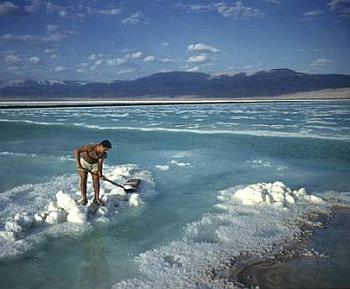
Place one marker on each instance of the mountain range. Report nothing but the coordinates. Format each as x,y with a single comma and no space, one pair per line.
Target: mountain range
177,83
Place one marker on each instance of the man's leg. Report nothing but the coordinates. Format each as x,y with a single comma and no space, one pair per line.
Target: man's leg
83,180
96,184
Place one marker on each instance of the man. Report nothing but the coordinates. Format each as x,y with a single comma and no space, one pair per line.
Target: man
89,158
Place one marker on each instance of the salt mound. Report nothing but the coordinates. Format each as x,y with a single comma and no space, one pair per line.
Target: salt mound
65,201
55,217
41,214
135,200
272,214
78,215
276,194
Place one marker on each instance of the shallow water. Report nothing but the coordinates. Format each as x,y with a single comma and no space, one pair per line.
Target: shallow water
192,152
331,271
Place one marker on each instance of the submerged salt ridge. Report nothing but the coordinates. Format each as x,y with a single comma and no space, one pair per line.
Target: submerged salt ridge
246,219
30,213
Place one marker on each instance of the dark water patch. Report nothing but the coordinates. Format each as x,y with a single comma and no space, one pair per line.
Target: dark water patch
322,264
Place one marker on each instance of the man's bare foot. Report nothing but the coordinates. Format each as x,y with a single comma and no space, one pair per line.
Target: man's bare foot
98,202
82,202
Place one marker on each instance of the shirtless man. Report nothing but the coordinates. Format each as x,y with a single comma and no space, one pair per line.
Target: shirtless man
89,159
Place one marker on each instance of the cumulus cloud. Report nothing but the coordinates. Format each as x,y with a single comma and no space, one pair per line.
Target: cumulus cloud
320,62
201,47
198,58
235,11
134,18
34,60
61,68
193,69
150,58
12,59
8,8
134,55
115,61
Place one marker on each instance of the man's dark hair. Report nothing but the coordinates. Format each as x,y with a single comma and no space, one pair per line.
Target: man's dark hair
106,144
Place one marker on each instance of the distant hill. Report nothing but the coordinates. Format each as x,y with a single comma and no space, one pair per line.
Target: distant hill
178,83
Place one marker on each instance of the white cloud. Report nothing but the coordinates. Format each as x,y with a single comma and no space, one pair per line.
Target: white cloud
167,60
12,59
197,7
50,50
320,62
34,39
34,60
115,61
99,62
126,71
165,44
63,13
193,69
274,1
60,68
313,13
150,58
198,58
134,55
134,18
8,8
340,7
235,11
52,27
336,4
92,57
111,11
202,47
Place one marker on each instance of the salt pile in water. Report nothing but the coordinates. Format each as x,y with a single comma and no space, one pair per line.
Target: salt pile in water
276,194
64,209
250,219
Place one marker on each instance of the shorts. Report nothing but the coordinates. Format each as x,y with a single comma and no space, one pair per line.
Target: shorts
93,168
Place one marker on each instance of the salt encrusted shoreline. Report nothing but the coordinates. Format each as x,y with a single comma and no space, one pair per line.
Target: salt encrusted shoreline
244,269
319,95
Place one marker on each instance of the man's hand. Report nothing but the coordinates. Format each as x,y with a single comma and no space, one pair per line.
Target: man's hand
102,177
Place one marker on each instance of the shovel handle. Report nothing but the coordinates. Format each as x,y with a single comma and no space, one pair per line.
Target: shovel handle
113,183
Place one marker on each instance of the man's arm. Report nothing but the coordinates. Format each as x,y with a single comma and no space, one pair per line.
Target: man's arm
100,166
77,152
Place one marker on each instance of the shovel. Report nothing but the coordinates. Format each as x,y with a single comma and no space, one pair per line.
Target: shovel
127,190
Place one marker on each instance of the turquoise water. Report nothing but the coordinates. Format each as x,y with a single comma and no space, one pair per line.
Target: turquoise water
191,151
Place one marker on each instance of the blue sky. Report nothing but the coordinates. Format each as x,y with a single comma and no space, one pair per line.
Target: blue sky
109,40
